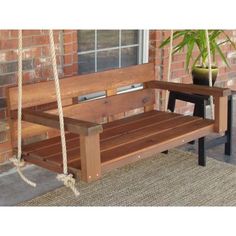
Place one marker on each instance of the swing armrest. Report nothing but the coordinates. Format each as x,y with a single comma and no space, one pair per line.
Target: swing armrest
220,98
189,88
71,125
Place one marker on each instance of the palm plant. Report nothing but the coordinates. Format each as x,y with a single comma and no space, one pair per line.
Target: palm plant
190,39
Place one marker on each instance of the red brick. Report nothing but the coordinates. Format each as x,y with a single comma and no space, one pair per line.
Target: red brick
2,114
68,37
68,48
68,31
75,36
75,58
14,33
75,68
75,47
31,32
4,34
38,40
8,44
68,59
68,70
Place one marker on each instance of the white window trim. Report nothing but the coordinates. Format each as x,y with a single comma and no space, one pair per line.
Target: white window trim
145,45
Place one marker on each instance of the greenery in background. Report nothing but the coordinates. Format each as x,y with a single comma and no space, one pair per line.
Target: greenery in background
190,39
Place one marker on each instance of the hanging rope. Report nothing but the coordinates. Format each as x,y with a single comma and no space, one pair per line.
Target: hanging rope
66,178
169,66
210,73
17,161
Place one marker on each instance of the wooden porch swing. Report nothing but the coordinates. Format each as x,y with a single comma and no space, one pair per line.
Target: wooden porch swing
95,139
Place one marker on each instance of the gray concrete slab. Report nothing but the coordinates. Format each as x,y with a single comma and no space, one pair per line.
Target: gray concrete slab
14,190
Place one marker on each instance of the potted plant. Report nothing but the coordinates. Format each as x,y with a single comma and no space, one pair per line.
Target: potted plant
191,39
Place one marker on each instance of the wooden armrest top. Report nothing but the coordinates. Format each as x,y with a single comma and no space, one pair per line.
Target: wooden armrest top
52,120
189,88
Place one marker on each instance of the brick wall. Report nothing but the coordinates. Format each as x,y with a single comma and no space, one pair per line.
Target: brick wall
37,66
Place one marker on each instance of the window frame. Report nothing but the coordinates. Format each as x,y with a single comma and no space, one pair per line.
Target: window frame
143,54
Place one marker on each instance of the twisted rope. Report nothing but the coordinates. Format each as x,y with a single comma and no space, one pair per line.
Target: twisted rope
17,160
66,178
69,182
210,73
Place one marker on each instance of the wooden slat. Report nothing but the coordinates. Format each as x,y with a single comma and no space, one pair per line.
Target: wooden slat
111,92
221,113
189,88
130,136
162,142
146,147
128,127
54,148
106,107
46,149
48,142
152,149
28,130
71,125
55,167
90,157
148,108
107,126
44,92
51,149
167,131
139,98
72,154
146,131
131,119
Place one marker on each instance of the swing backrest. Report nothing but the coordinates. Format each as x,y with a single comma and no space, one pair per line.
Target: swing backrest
42,96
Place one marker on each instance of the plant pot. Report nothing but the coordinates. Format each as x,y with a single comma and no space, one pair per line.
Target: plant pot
200,75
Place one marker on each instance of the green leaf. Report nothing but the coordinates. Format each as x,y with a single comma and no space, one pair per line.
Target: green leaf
191,39
232,43
222,55
190,47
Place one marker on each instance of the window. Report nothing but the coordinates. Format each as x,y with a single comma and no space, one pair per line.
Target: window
100,50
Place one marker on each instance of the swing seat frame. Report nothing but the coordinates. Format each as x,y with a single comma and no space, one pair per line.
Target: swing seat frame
106,133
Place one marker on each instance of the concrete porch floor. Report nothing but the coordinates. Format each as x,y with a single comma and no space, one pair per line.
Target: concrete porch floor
13,190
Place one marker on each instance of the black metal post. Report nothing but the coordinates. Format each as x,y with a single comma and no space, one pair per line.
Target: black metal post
228,133
171,102
202,151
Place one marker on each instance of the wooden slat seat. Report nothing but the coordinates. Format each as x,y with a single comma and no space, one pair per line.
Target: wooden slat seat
127,140
108,132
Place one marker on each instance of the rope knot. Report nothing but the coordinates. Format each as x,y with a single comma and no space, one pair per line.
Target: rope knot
69,182
17,162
